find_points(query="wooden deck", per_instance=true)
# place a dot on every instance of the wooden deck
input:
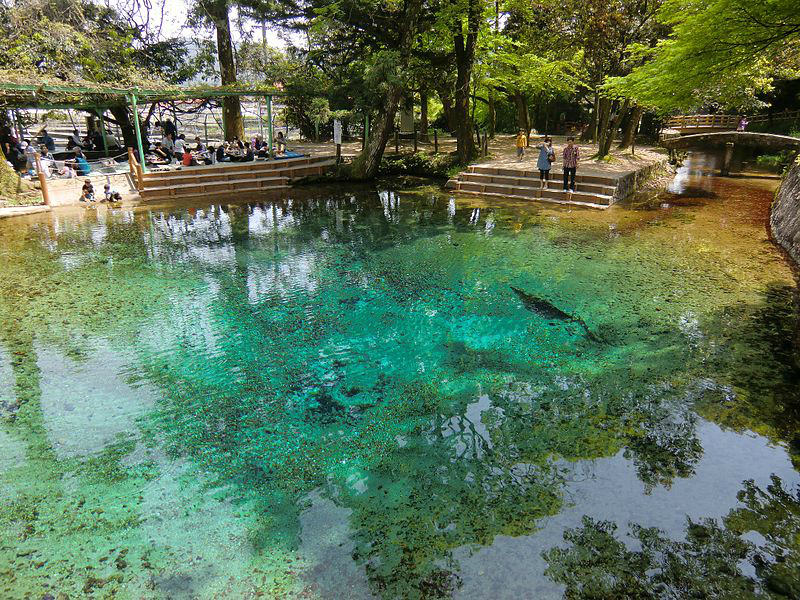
(224, 179)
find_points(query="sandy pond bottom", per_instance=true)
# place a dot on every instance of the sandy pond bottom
(340, 395)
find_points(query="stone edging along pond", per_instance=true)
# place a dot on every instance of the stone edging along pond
(784, 217)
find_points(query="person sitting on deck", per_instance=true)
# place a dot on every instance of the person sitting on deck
(238, 143)
(248, 155)
(188, 160)
(281, 143)
(48, 141)
(74, 140)
(47, 160)
(199, 146)
(30, 159)
(221, 153)
(168, 145)
(112, 143)
(180, 147)
(87, 191)
(161, 155)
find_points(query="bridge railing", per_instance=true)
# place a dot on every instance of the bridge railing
(702, 121)
(724, 121)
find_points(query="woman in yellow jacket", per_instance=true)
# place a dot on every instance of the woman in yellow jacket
(522, 141)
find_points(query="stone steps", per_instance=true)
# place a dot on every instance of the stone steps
(595, 191)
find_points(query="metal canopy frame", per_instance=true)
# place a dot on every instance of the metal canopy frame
(116, 96)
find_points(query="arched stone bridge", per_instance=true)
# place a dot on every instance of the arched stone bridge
(729, 140)
(765, 141)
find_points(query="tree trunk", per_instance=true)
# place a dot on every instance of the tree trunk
(492, 113)
(589, 134)
(423, 115)
(630, 130)
(123, 116)
(603, 117)
(366, 164)
(447, 108)
(523, 117)
(231, 107)
(608, 135)
(465, 57)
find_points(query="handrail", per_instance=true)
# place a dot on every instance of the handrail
(136, 169)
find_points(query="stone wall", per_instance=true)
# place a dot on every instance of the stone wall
(785, 213)
(632, 182)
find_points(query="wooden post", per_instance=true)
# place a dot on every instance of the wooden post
(435, 142)
(137, 128)
(415, 138)
(338, 153)
(269, 126)
(396, 141)
(42, 179)
(131, 162)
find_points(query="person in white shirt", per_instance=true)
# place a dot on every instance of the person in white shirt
(29, 151)
(180, 147)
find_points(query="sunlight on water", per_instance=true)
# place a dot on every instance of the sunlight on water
(355, 393)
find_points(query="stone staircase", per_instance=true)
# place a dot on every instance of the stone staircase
(229, 179)
(595, 191)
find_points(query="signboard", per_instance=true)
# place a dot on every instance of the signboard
(337, 131)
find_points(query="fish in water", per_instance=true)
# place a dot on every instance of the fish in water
(546, 309)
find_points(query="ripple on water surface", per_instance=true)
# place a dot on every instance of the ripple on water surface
(341, 395)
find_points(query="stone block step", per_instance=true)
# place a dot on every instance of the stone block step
(577, 198)
(523, 172)
(533, 181)
(533, 193)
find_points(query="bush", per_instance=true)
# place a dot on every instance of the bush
(775, 162)
(420, 164)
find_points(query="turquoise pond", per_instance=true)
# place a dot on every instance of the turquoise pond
(340, 394)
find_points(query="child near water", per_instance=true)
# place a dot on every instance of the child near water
(521, 142)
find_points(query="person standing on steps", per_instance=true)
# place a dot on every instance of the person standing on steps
(546, 157)
(521, 142)
(571, 158)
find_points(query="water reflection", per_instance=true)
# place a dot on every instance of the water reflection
(348, 385)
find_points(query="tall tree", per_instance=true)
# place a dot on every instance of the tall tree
(217, 14)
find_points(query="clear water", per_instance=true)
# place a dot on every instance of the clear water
(340, 395)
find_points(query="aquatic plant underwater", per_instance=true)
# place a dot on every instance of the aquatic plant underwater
(354, 393)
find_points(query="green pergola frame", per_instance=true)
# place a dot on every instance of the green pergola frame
(103, 97)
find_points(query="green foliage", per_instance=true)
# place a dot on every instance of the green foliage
(724, 52)
(80, 41)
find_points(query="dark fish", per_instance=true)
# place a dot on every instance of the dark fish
(546, 309)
